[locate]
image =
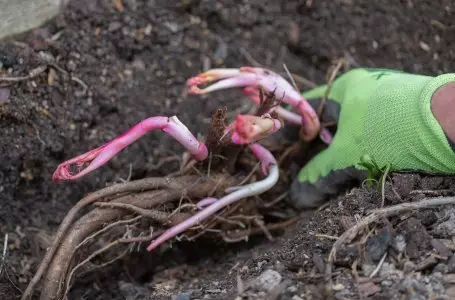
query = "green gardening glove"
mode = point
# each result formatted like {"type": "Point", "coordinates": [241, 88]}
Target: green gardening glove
{"type": "Point", "coordinates": [383, 114]}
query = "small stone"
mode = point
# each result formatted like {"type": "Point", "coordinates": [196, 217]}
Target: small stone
{"type": "Point", "coordinates": [46, 56]}
{"type": "Point", "coordinates": [338, 287]}
{"type": "Point", "coordinates": [267, 281]}
{"type": "Point", "coordinates": [131, 291]}
{"type": "Point", "coordinates": [292, 289]}
{"type": "Point", "coordinates": [386, 283]}
{"type": "Point", "coordinates": [7, 60]}
{"type": "Point", "coordinates": [114, 26]}
{"type": "Point", "coordinates": [367, 269]}
{"type": "Point", "coordinates": [295, 297]}
{"type": "Point", "coordinates": [417, 237]}
{"type": "Point", "coordinates": [399, 243]}
{"type": "Point", "coordinates": [368, 289]}
{"type": "Point", "coordinates": [441, 268]}
{"type": "Point", "coordinates": [388, 269]}
{"type": "Point", "coordinates": [446, 229]}
{"type": "Point", "coordinates": [138, 64]}
{"type": "Point", "coordinates": [425, 47]}
{"type": "Point", "coordinates": [4, 96]}
{"type": "Point", "coordinates": [293, 33]}
{"type": "Point", "coordinates": [221, 52]}
{"type": "Point", "coordinates": [378, 244]}
{"type": "Point", "coordinates": [441, 248]}
{"type": "Point", "coordinates": [183, 296]}
{"type": "Point", "coordinates": [409, 266]}
{"type": "Point", "coordinates": [71, 65]}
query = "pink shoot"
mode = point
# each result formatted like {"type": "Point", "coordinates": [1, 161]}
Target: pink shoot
{"type": "Point", "coordinates": [253, 94]}
{"type": "Point", "coordinates": [266, 79]}
{"type": "Point", "coordinates": [248, 129]}
{"type": "Point", "coordinates": [269, 167]}
{"type": "Point", "coordinates": [205, 202]}
{"type": "Point", "coordinates": [101, 155]}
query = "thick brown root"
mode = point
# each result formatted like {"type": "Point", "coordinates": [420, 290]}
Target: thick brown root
{"type": "Point", "coordinates": [156, 203]}
{"type": "Point", "coordinates": [143, 194]}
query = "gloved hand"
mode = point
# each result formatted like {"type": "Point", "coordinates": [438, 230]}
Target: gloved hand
{"type": "Point", "coordinates": [389, 116]}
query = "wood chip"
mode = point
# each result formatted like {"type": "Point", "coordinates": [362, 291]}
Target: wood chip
{"type": "Point", "coordinates": [118, 4]}
{"type": "Point", "coordinates": [442, 249]}
{"type": "Point", "coordinates": [449, 278]}
{"type": "Point", "coordinates": [368, 289]}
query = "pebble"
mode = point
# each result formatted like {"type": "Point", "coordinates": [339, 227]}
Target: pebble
{"type": "Point", "coordinates": [221, 52]}
{"type": "Point", "coordinates": [267, 281]}
{"type": "Point", "coordinates": [367, 269]}
{"type": "Point", "coordinates": [4, 96]}
{"type": "Point", "coordinates": [181, 297]}
{"type": "Point", "coordinates": [378, 244]}
{"type": "Point", "coordinates": [441, 268]}
{"type": "Point", "coordinates": [399, 243]}
{"type": "Point", "coordinates": [7, 61]}
{"type": "Point", "coordinates": [408, 266]}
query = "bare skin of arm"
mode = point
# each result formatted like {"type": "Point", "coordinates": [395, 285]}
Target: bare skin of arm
{"type": "Point", "coordinates": [443, 108]}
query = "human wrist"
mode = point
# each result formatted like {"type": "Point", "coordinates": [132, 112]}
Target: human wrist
{"type": "Point", "coordinates": [443, 109]}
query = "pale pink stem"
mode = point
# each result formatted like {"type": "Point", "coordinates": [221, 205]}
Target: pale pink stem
{"type": "Point", "coordinates": [326, 136]}
{"type": "Point", "coordinates": [101, 155]}
{"type": "Point", "coordinates": [269, 165]}
{"type": "Point", "coordinates": [270, 81]}
{"type": "Point", "coordinates": [213, 74]}
{"type": "Point", "coordinates": [237, 81]}
{"type": "Point", "coordinates": [253, 94]}
{"type": "Point", "coordinates": [205, 202]}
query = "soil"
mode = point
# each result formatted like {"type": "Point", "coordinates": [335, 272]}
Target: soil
{"type": "Point", "coordinates": [111, 66]}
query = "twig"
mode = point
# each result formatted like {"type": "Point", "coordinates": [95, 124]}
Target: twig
{"type": "Point", "coordinates": [106, 228]}
{"type": "Point", "coordinates": [209, 165]}
{"type": "Point", "coordinates": [242, 233]}
{"type": "Point", "coordinates": [153, 214]}
{"type": "Point", "coordinates": [304, 81]}
{"type": "Point", "coordinates": [72, 77]}
{"type": "Point", "coordinates": [5, 247]}
{"type": "Point", "coordinates": [431, 192]}
{"type": "Point", "coordinates": [33, 73]}
{"type": "Point", "coordinates": [329, 86]}
{"type": "Point", "coordinates": [376, 270]}
{"type": "Point", "coordinates": [95, 267]}
{"type": "Point", "coordinates": [375, 215]}
{"type": "Point", "coordinates": [85, 261]}
{"type": "Point", "coordinates": [290, 76]}
{"type": "Point", "coordinates": [264, 229]}
{"type": "Point", "coordinates": [130, 173]}
{"type": "Point", "coordinates": [250, 58]}
{"type": "Point", "coordinates": [383, 180]}
{"type": "Point", "coordinates": [296, 146]}
{"type": "Point", "coordinates": [326, 236]}
{"type": "Point", "coordinates": [276, 200]}
{"type": "Point", "coordinates": [248, 177]}
{"type": "Point", "coordinates": [84, 86]}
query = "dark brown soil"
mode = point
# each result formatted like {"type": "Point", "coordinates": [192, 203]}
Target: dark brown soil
{"type": "Point", "coordinates": [111, 69]}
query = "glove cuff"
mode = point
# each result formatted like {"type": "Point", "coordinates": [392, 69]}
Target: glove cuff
{"type": "Point", "coordinates": [409, 135]}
